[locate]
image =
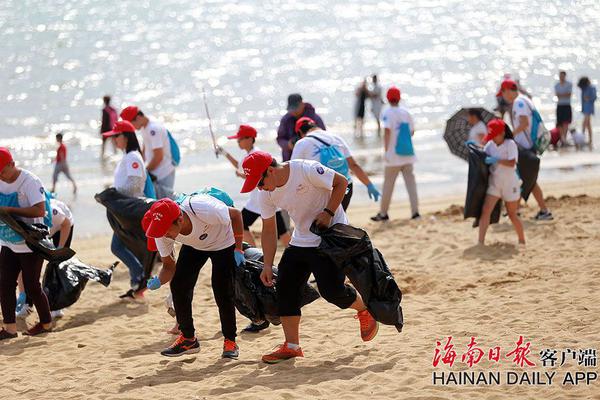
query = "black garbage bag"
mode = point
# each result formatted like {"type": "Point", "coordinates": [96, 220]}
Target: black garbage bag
{"type": "Point", "coordinates": [125, 216]}
{"type": "Point", "coordinates": [36, 238]}
{"type": "Point", "coordinates": [529, 167]}
{"type": "Point", "coordinates": [63, 282]}
{"type": "Point", "coordinates": [256, 301]}
{"type": "Point", "coordinates": [351, 250]}
{"type": "Point", "coordinates": [477, 187]}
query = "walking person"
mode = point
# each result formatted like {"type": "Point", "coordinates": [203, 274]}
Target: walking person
{"type": "Point", "coordinates": [156, 151]}
{"type": "Point", "coordinates": [206, 228]}
{"type": "Point", "coordinates": [129, 179]}
{"type": "Point", "coordinates": [361, 93]}
{"type": "Point", "coordinates": [61, 165]}
{"type": "Point", "coordinates": [588, 98]}
{"type": "Point", "coordinates": [22, 195]}
{"type": "Point", "coordinates": [522, 121]}
{"type": "Point", "coordinates": [399, 154]}
{"type": "Point", "coordinates": [332, 151]}
{"type": "Point", "coordinates": [109, 119]}
{"type": "Point", "coordinates": [376, 96]}
{"type": "Point", "coordinates": [296, 109]}
{"type": "Point", "coordinates": [564, 114]}
{"type": "Point", "coordinates": [309, 192]}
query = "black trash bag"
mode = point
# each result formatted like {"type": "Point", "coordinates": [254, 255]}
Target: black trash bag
{"type": "Point", "coordinates": [529, 167]}
{"type": "Point", "coordinates": [36, 238]}
{"type": "Point", "coordinates": [477, 187]}
{"type": "Point", "coordinates": [351, 250]}
{"type": "Point", "coordinates": [125, 216]}
{"type": "Point", "coordinates": [63, 282]}
{"type": "Point", "coordinates": [253, 299]}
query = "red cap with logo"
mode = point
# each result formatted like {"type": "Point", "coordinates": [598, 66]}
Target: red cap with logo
{"type": "Point", "coordinates": [507, 84]}
{"type": "Point", "coordinates": [158, 219]}
{"type": "Point", "coordinates": [244, 131]}
{"type": "Point", "coordinates": [255, 165]}
{"type": "Point", "coordinates": [120, 127]}
{"type": "Point", "coordinates": [5, 157]}
{"type": "Point", "coordinates": [129, 113]}
{"type": "Point", "coordinates": [302, 121]}
{"type": "Point", "coordinates": [393, 94]}
{"type": "Point", "coordinates": [495, 127]}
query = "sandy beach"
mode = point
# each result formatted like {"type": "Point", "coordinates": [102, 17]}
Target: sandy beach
{"type": "Point", "coordinates": [546, 292]}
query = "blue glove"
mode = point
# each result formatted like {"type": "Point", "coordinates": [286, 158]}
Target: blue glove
{"type": "Point", "coordinates": [373, 192]}
{"type": "Point", "coordinates": [471, 141]}
{"type": "Point", "coordinates": [491, 160]}
{"type": "Point", "coordinates": [21, 301]}
{"type": "Point", "coordinates": [239, 257]}
{"type": "Point", "coordinates": [153, 283]}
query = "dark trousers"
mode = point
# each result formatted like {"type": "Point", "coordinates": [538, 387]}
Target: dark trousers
{"type": "Point", "coordinates": [348, 196]}
{"type": "Point", "coordinates": [189, 264]}
{"type": "Point", "coordinates": [56, 238]}
{"type": "Point", "coordinates": [295, 267]}
{"type": "Point", "coordinates": [30, 265]}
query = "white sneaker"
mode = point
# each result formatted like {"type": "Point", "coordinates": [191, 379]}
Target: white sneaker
{"type": "Point", "coordinates": [57, 314]}
{"type": "Point", "coordinates": [24, 312]}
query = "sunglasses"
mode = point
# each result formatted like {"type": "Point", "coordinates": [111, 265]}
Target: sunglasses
{"type": "Point", "coordinates": [261, 183]}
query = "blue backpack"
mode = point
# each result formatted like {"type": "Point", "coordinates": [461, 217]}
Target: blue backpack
{"type": "Point", "coordinates": [48, 216]}
{"type": "Point", "coordinates": [211, 191]}
{"type": "Point", "coordinates": [332, 158]}
{"type": "Point", "coordinates": [404, 146]}
{"type": "Point", "coordinates": [175, 152]}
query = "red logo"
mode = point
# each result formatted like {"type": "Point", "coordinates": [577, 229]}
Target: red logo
{"type": "Point", "coordinates": [135, 165]}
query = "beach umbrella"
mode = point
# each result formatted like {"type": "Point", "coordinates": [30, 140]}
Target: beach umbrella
{"type": "Point", "coordinates": [457, 131]}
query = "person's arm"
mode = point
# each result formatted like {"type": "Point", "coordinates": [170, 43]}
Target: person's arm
{"type": "Point", "coordinates": [340, 183]}
{"type": "Point", "coordinates": [508, 163]}
{"type": "Point", "coordinates": [523, 125]}
{"type": "Point", "coordinates": [168, 269]}
{"type": "Point", "coordinates": [237, 225]}
{"type": "Point", "coordinates": [157, 157]}
{"type": "Point", "coordinates": [35, 211]}
{"type": "Point", "coordinates": [65, 230]}
{"type": "Point", "coordinates": [358, 171]}
{"type": "Point", "coordinates": [268, 240]}
{"type": "Point", "coordinates": [386, 138]}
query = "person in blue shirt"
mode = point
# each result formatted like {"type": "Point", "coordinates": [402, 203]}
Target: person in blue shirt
{"type": "Point", "coordinates": [588, 98]}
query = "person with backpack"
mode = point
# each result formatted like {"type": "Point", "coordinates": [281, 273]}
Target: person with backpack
{"type": "Point", "coordinates": [159, 150]}
{"type": "Point", "coordinates": [22, 195]}
{"type": "Point", "coordinates": [399, 154]}
{"type": "Point", "coordinates": [333, 152]}
{"type": "Point", "coordinates": [522, 116]}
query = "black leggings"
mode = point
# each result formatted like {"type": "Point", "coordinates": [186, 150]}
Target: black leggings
{"type": "Point", "coordinates": [30, 264]}
{"type": "Point", "coordinates": [348, 196]}
{"type": "Point", "coordinates": [294, 269]}
{"type": "Point", "coordinates": [56, 238]}
{"type": "Point", "coordinates": [189, 264]}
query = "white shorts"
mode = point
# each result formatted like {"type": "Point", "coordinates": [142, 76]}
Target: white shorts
{"type": "Point", "coordinates": [507, 187]}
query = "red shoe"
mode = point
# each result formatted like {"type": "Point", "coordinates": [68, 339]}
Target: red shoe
{"type": "Point", "coordinates": [37, 329]}
{"type": "Point", "coordinates": [281, 354]}
{"type": "Point", "coordinates": [368, 326]}
{"type": "Point", "coordinates": [230, 349]}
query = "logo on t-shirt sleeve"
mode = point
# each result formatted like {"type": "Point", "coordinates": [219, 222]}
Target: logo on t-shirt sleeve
{"type": "Point", "coordinates": [153, 133]}
{"type": "Point", "coordinates": [203, 236]}
{"type": "Point", "coordinates": [320, 170]}
{"type": "Point", "coordinates": [521, 104]}
{"type": "Point", "coordinates": [42, 191]}
{"type": "Point", "coordinates": [135, 165]}
{"type": "Point", "coordinates": [54, 212]}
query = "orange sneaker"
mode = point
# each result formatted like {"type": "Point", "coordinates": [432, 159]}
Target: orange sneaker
{"type": "Point", "coordinates": [230, 349]}
{"type": "Point", "coordinates": [368, 326]}
{"type": "Point", "coordinates": [282, 353]}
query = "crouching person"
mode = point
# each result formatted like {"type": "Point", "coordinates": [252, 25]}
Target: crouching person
{"type": "Point", "coordinates": [309, 192]}
{"type": "Point", "coordinates": [206, 228]}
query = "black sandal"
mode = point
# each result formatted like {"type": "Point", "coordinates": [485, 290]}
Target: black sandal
{"type": "Point", "coordinates": [4, 334]}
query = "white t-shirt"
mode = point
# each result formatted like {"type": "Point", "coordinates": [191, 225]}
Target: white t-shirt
{"type": "Point", "coordinates": [304, 196]}
{"type": "Point", "coordinates": [60, 212]}
{"type": "Point", "coordinates": [522, 106]}
{"type": "Point", "coordinates": [131, 164]}
{"type": "Point", "coordinates": [392, 118]}
{"type": "Point", "coordinates": [252, 204]}
{"type": "Point", "coordinates": [478, 129]}
{"type": "Point", "coordinates": [211, 226]}
{"type": "Point", "coordinates": [155, 137]}
{"type": "Point", "coordinates": [309, 149]}
{"type": "Point", "coordinates": [506, 151]}
{"type": "Point", "coordinates": [30, 192]}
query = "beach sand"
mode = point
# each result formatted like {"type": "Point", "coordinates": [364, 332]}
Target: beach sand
{"type": "Point", "coordinates": [546, 292]}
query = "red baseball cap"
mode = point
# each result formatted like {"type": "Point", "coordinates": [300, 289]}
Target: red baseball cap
{"type": "Point", "coordinates": [5, 157]}
{"type": "Point", "coordinates": [302, 121]}
{"type": "Point", "coordinates": [244, 131]}
{"type": "Point", "coordinates": [393, 94]}
{"type": "Point", "coordinates": [129, 113]}
{"type": "Point", "coordinates": [255, 165]}
{"type": "Point", "coordinates": [120, 127]}
{"type": "Point", "coordinates": [158, 219]}
{"type": "Point", "coordinates": [495, 128]}
{"type": "Point", "coordinates": [507, 84]}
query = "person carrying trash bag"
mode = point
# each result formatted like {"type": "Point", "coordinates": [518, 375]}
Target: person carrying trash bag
{"type": "Point", "coordinates": [332, 151]}
{"type": "Point", "coordinates": [309, 192]}
{"type": "Point", "coordinates": [206, 228]}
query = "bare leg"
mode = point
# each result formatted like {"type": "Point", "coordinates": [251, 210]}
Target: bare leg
{"type": "Point", "coordinates": [539, 197]}
{"type": "Point", "coordinates": [512, 208]}
{"type": "Point", "coordinates": [285, 239]}
{"type": "Point", "coordinates": [291, 329]}
{"type": "Point", "coordinates": [486, 213]}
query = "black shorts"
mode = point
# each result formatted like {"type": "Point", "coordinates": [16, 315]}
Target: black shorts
{"type": "Point", "coordinates": [564, 114]}
{"type": "Point", "coordinates": [249, 217]}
